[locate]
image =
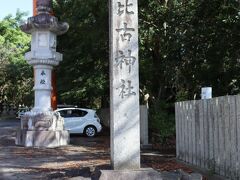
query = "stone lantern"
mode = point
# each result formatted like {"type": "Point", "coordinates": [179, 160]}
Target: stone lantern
{"type": "Point", "coordinates": [41, 127]}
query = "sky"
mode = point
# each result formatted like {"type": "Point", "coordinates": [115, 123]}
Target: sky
{"type": "Point", "coordinates": [10, 7]}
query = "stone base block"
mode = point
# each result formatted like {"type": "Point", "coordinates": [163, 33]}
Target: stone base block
{"type": "Point", "coordinates": [48, 139]}
{"type": "Point", "coordinates": [147, 174]}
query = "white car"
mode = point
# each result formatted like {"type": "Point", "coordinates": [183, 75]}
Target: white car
{"type": "Point", "coordinates": [79, 120]}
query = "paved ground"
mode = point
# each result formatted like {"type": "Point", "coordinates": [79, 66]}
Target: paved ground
{"type": "Point", "coordinates": [83, 158]}
{"type": "Point", "coordinates": [9, 123]}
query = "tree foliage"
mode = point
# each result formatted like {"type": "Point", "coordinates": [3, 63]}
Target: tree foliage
{"type": "Point", "coordinates": [184, 45]}
{"type": "Point", "coordinates": [196, 48]}
{"type": "Point", "coordinates": [83, 74]}
{"type": "Point", "coordinates": [15, 74]}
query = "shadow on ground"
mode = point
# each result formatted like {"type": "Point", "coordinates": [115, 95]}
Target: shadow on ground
{"type": "Point", "coordinates": [83, 159]}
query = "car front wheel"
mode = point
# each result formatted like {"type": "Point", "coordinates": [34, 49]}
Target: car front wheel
{"type": "Point", "coordinates": [90, 131]}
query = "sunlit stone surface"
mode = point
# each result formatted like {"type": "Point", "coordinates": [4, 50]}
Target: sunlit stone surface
{"type": "Point", "coordinates": [41, 127]}
{"type": "Point", "coordinates": [124, 85]}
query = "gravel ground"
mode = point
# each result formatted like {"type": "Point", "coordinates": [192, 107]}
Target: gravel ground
{"type": "Point", "coordinates": [41, 163]}
{"type": "Point", "coordinates": [83, 159]}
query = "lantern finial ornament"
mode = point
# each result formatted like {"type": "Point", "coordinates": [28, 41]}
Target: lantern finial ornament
{"type": "Point", "coordinates": [44, 6]}
{"type": "Point", "coordinates": [44, 20]}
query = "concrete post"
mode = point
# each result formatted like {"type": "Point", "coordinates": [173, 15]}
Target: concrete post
{"type": "Point", "coordinates": [206, 92]}
{"type": "Point", "coordinates": [144, 125]}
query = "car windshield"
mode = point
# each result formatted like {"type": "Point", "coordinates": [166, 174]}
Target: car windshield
{"type": "Point", "coordinates": [23, 110]}
{"type": "Point", "coordinates": [72, 113]}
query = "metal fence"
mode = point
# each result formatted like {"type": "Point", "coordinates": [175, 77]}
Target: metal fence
{"type": "Point", "coordinates": [208, 134]}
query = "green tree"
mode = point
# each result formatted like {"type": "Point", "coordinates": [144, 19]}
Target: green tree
{"type": "Point", "coordinates": [82, 76]}
{"type": "Point", "coordinates": [198, 47]}
{"type": "Point", "coordinates": [184, 45]}
{"type": "Point", "coordinates": [15, 73]}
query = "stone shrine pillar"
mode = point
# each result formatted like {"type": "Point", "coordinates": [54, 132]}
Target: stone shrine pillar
{"type": "Point", "coordinates": [41, 127]}
{"type": "Point", "coordinates": [124, 85]}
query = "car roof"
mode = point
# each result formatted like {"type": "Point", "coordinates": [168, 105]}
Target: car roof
{"type": "Point", "coordinates": [84, 109]}
{"type": "Point", "coordinates": [66, 106]}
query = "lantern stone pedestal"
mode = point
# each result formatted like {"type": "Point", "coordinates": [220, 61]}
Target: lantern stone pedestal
{"type": "Point", "coordinates": [41, 127]}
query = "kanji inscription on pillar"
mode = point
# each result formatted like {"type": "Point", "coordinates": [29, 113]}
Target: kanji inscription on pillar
{"type": "Point", "coordinates": [127, 60]}
{"type": "Point", "coordinates": [125, 32]}
{"type": "Point", "coordinates": [124, 85]}
{"type": "Point", "coordinates": [124, 8]}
